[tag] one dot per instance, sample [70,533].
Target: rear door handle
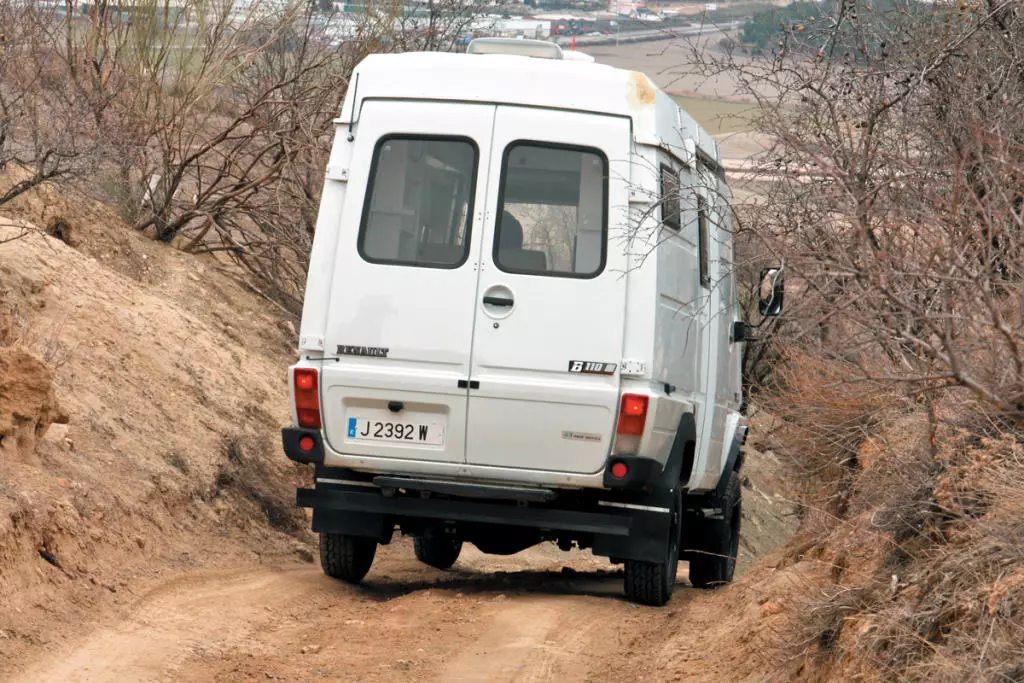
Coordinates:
[498,301]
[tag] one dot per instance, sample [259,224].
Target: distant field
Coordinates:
[718,117]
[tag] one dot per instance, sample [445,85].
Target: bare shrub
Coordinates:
[825,419]
[943,601]
[896,158]
[41,127]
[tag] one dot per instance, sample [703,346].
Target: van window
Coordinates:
[419,202]
[670,197]
[702,240]
[553,217]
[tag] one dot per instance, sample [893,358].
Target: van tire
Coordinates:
[715,563]
[436,549]
[347,558]
[651,583]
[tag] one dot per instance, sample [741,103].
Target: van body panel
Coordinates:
[711,414]
[548,364]
[426,342]
[400,314]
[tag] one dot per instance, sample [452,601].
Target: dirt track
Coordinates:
[526,618]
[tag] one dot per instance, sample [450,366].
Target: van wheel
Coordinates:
[651,583]
[346,557]
[436,549]
[715,563]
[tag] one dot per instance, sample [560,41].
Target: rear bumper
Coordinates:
[643,473]
[611,528]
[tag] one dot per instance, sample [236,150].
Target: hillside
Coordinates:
[170,376]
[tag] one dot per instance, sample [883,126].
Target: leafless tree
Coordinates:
[41,136]
[895,134]
[896,143]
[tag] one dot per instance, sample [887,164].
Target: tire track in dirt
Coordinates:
[515,619]
[172,624]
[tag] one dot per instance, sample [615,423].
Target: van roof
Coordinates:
[528,81]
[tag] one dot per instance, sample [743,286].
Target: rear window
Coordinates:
[419,202]
[553,217]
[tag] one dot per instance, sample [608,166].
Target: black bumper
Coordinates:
[612,531]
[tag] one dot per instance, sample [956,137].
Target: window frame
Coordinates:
[668,169]
[703,242]
[501,205]
[368,197]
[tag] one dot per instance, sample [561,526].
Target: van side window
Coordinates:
[670,197]
[419,202]
[702,240]
[553,216]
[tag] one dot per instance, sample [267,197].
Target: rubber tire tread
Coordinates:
[650,583]
[646,584]
[437,550]
[719,538]
[347,558]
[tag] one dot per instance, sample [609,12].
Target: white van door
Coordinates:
[550,308]
[400,324]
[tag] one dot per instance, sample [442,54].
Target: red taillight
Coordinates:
[619,470]
[632,414]
[307,398]
[306,444]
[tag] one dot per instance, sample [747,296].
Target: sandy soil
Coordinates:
[533,617]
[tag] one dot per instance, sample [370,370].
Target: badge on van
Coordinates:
[589,367]
[370,351]
[581,436]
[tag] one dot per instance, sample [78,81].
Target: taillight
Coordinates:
[632,415]
[307,398]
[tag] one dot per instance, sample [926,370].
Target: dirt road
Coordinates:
[539,616]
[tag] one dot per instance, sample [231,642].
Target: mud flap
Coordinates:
[353,524]
[647,539]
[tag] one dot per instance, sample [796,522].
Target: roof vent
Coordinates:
[574,56]
[514,46]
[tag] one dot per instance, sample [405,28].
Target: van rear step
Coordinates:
[324,499]
[465,490]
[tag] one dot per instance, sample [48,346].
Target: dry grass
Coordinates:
[825,419]
[917,511]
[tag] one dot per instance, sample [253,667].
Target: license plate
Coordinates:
[361,429]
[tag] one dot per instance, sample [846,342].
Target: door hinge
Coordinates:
[335,172]
[469,384]
[633,368]
[311,342]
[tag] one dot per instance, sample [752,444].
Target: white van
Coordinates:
[520,321]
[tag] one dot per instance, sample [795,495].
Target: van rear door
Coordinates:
[551,304]
[400,324]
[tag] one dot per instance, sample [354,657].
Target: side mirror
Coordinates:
[771,292]
[739,332]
